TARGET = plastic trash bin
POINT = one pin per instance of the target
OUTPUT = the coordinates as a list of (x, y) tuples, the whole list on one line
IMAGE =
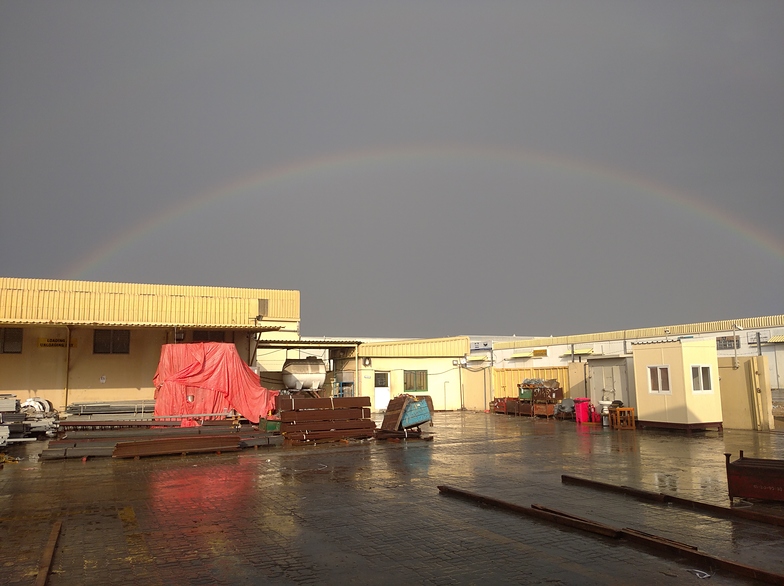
[(581, 409)]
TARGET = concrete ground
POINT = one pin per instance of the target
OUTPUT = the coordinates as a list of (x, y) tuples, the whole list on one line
[(370, 512)]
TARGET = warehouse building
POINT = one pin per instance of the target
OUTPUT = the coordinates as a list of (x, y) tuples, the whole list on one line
[(80, 341)]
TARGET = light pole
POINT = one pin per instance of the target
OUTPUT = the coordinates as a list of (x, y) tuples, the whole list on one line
[(735, 341)]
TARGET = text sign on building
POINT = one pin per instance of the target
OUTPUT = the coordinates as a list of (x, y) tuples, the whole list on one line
[(479, 346), (752, 337), (540, 352), (54, 343)]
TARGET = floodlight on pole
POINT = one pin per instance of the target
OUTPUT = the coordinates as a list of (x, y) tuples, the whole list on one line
[(735, 341)]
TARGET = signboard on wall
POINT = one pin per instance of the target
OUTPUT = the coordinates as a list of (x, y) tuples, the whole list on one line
[(752, 337), (54, 343), (479, 346)]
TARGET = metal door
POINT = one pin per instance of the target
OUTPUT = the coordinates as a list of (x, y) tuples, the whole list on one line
[(609, 382)]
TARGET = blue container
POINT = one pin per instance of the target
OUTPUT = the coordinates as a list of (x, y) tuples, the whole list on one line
[(415, 413)]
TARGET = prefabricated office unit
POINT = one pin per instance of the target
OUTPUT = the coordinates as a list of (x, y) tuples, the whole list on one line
[(677, 384)]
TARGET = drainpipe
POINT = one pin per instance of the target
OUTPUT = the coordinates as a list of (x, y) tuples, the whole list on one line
[(356, 371), (67, 361), (460, 382)]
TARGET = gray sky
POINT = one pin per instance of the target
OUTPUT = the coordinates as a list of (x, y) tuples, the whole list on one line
[(415, 169)]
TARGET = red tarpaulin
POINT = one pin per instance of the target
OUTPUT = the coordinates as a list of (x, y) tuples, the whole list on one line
[(207, 378)]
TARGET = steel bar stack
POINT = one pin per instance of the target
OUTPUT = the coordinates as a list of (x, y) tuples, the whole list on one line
[(304, 419), (149, 438)]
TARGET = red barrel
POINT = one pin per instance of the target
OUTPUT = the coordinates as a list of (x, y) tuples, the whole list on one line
[(581, 409)]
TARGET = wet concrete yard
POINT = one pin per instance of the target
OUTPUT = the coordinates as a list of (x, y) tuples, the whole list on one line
[(370, 512)]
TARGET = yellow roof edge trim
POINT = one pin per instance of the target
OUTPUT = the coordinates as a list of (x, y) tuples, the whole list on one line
[(579, 352)]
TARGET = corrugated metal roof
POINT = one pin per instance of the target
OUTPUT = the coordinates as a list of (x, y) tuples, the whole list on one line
[(308, 343), (38, 301), (431, 348), (776, 340), (749, 323), (522, 354)]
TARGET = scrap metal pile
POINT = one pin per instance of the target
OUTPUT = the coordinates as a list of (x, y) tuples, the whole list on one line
[(404, 417), (26, 421), (536, 397)]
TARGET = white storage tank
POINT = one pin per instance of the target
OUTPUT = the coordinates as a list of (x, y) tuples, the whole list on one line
[(304, 373)]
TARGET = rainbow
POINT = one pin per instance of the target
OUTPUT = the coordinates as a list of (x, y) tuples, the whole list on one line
[(409, 154)]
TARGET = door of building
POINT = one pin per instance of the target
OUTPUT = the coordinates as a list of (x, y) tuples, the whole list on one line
[(381, 396), (609, 382)]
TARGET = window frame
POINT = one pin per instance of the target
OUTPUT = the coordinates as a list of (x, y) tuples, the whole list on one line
[(726, 343), (8, 346), (412, 380), (199, 336), (659, 369), (701, 369), (119, 341)]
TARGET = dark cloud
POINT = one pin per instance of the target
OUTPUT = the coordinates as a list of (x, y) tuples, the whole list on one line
[(571, 166)]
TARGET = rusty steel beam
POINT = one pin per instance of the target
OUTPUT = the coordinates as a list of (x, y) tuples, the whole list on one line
[(537, 512), (676, 500), (46, 558), (633, 536), (645, 494), (177, 445)]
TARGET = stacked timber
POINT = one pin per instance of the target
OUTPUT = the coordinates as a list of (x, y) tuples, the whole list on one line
[(305, 419)]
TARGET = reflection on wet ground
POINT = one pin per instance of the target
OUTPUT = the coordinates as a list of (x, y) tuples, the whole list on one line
[(370, 511)]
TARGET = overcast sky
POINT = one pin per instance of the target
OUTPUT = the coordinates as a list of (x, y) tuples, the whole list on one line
[(415, 169)]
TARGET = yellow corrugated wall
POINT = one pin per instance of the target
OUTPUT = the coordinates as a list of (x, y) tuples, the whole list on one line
[(43, 301), (748, 323), (430, 348), (505, 380)]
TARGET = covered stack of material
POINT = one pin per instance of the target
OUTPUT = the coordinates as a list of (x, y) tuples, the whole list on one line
[(304, 419), (199, 379)]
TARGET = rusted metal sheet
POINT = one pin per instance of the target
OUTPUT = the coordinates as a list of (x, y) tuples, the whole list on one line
[(326, 425), (177, 445), (113, 424), (329, 435), (289, 403), (323, 414), (756, 478)]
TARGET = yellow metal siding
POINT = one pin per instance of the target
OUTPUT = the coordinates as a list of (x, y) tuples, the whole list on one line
[(749, 323), (505, 380), (82, 302), (436, 347)]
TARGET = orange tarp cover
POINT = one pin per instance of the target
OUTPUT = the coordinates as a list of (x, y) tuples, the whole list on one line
[(209, 377)]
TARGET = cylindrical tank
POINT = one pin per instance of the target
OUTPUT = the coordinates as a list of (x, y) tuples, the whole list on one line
[(304, 373)]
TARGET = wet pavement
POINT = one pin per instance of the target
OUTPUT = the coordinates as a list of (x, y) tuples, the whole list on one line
[(370, 512)]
